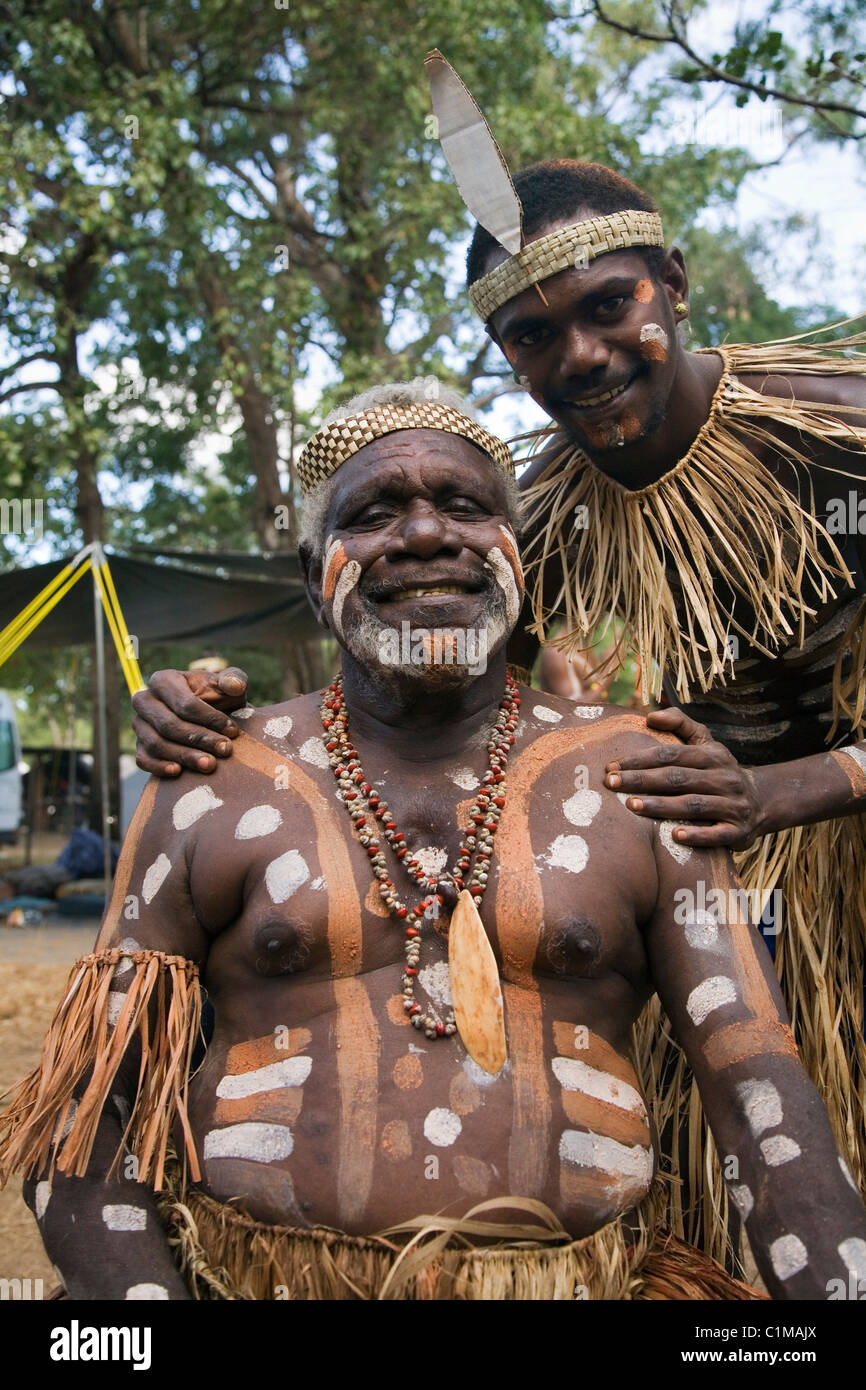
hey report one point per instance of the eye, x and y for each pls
(465, 506)
(532, 337)
(608, 307)
(377, 514)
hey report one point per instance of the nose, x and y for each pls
(424, 532)
(582, 352)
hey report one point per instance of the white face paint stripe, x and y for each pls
(742, 1198)
(349, 576)
(568, 852)
(261, 1143)
(708, 996)
(588, 1150)
(258, 821)
(124, 1218)
(574, 1075)
(139, 1293)
(42, 1198)
(788, 1255)
(583, 807)
(193, 805)
(762, 1105)
(853, 1252)
(504, 576)
(313, 751)
(155, 877)
(292, 1071)
(284, 876)
(546, 714)
(280, 727)
(442, 1127)
(779, 1149)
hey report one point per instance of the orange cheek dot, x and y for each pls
(653, 351)
(407, 1073)
(643, 291)
(336, 562)
(396, 1012)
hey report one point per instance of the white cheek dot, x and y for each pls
(141, 1293)
(681, 853)
(193, 805)
(762, 1105)
(569, 852)
(258, 821)
(280, 727)
(155, 877)
(702, 929)
(853, 1252)
(313, 751)
(261, 1143)
(284, 876)
(583, 807)
(442, 1127)
(788, 1255)
(779, 1149)
(546, 714)
(742, 1198)
(708, 996)
(43, 1197)
(124, 1218)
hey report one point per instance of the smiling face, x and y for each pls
(419, 541)
(601, 356)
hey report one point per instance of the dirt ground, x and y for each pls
(34, 966)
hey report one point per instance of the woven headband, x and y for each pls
(568, 248)
(333, 444)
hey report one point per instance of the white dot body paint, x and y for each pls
(141, 1293)
(349, 576)
(42, 1198)
(258, 821)
(587, 1150)
(246, 713)
(442, 1127)
(762, 1105)
(284, 876)
(432, 859)
(67, 1123)
(261, 1143)
(653, 332)
(788, 1255)
(116, 1001)
(847, 1174)
(155, 877)
(681, 853)
(464, 778)
(742, 1198)
(853, 1252)
(504, 576)
(124, 1218)
(779, 1149)
(702, 930)
(583, 807)
(279, 727)
(435, 980)
(546, 714)
(588, 711)
(193, 805)
(130, 944)
(574, 1075)
(313, 751)
(568, 852)
(318, 883)
(291, 1071)
(708, 996)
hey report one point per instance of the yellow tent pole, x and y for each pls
(11, 645)
(11, 628)
(116, 624)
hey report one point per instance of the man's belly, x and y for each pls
(355, 1120)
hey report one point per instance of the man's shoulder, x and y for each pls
(613, 728)
(805, 387)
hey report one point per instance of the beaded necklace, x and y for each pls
(467, 878)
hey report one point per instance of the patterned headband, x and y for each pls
(566, 249)
(333, 444)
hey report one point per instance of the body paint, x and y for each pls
(708, 996)
(654, 342)
(284, 876)
(442, 1128)
(333, 562)
(569, 852)
(463, 1094)
(256, 1142)
(193, 805)
(762, 1105)
(124, 1218)
(582, 807)
(154, 877)
(546, 714)
(473, 1175)
(396, 1143)
(779, 1149)
(503, 572)
(349, 577)
(151, 1293)
(291, 1071)
(853, 763)
(738, 1042)
(241, 1095)
(643, 292)
(280, 727)
(788, 1255)
(313, 751)
(258, 821)
(407, 1072)
(528, 1155)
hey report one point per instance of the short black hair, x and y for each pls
(558, 188)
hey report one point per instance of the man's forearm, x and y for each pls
(821, 787)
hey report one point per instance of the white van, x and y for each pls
(10, 772)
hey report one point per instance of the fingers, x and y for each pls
(709, 811)
(174, 708)
(674, 721)
(722, 835)
(677, 781)
(162, 735)
(233, 682)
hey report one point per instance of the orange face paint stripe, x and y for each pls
(528, 1150)
(754, 1037)
(357, 1039)
(587, 1112)
(124, 864)
(597, 1052)
(335, 566)
(519, 902)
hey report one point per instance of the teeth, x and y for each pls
(424, 593)
(586, 401)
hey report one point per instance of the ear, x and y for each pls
(311, 564)
(674, 277)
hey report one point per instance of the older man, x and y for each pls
(378, 858)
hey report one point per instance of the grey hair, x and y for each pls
(423, 389)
